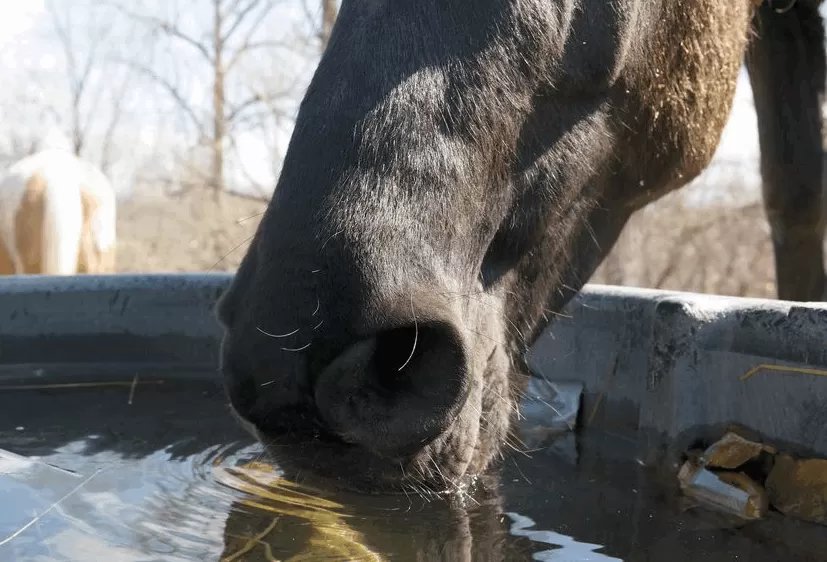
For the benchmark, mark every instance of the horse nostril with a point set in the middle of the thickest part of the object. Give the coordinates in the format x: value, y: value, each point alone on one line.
x: 395, y: 351
x: 397, y: 390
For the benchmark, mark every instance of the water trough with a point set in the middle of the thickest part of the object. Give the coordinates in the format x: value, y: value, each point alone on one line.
x: 665, y: 362
x: 657, y: 368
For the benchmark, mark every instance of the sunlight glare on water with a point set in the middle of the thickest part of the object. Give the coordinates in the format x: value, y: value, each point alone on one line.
x: 173, y: 478
x: 570, y: 549
x: 155, y: 482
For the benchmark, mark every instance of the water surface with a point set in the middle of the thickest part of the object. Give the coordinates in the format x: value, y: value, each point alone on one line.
x: 100, y: 478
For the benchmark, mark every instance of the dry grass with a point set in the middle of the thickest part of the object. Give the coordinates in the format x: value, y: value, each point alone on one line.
x: 185, y: 234
x: 723, y: 250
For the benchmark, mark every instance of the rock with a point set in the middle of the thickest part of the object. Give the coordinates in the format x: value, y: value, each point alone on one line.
x: 798, y: 488
x: 730, y: 492
x: 732, y: 451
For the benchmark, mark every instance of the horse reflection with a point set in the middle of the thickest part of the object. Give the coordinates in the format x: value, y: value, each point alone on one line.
x: 284, y: 522
x: 592, y: 503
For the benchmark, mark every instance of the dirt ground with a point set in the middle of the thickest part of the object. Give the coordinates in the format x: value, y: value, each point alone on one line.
x: 721, y: 250
x: 184, y: 234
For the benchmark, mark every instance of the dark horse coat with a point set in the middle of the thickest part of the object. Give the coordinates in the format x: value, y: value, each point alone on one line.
x: 457, y: 171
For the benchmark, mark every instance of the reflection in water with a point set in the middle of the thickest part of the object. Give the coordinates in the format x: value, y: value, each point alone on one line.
x: 363, y: 528
x: 328, y: 535
x: 172, y: 478
x: 569, y: 549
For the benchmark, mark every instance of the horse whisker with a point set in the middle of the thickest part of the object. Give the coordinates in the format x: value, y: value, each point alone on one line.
x: 416, y: 336
x: 302, y: 348
x: 245, y: 219
x: 268, y: 334
x: 225, y: 256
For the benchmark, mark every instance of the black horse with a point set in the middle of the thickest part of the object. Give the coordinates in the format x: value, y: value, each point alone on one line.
x: 458, y: 170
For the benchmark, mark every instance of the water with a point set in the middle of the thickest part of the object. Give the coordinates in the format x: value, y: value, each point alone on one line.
x: 156, y: 480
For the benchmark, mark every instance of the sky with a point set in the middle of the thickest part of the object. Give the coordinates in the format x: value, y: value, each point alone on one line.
x: 16, y: 17
x: 737, y: 153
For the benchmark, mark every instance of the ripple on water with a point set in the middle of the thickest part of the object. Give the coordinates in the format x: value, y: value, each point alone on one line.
x: 169, y: 478
x: 172, y: 478
x: 220, y: 504
x: 165, y: 507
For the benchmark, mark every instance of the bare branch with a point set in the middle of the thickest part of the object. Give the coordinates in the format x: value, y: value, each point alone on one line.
x: 308, y: 14
x: 249, y: 46
x: 238, y: 109
x: 258, y: 187
x: 254, y: 121
x: 230, y: 32
x: 170, y: 88
x: 114, y: 121
x: 329, y: 13
x: 242, y: 14
x: 167, y: 28
x: 238, y: 120
x: 227, y: 10
x: 63, y: 33
x: 78, y: 76
x: 82, y: 129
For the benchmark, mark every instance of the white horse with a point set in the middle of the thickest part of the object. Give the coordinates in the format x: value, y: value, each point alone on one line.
x: 57, y: 217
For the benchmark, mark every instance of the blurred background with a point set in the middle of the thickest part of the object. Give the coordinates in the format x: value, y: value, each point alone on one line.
x: 188, y: 106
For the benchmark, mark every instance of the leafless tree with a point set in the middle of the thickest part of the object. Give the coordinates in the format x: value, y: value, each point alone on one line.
x: 86, y: 39
x: 233, y: 34
x: 321, y: 20
x: 720, y: 247
x: 330, y: 10
x: 108, y: 142
x: 80, y: 62
x: 18, y: 140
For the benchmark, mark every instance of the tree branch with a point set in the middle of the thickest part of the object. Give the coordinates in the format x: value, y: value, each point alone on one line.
x: 241, y: 15
x: 170, y: 88
x: 248, y: 46
x: 77, y: 77
x: 330, y: 12
x: 168, y: 28
x: 238, y: 109
x: 117, y: 112
x: 255, y: 121
x: 256, y: 185
x: 238, y: 119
